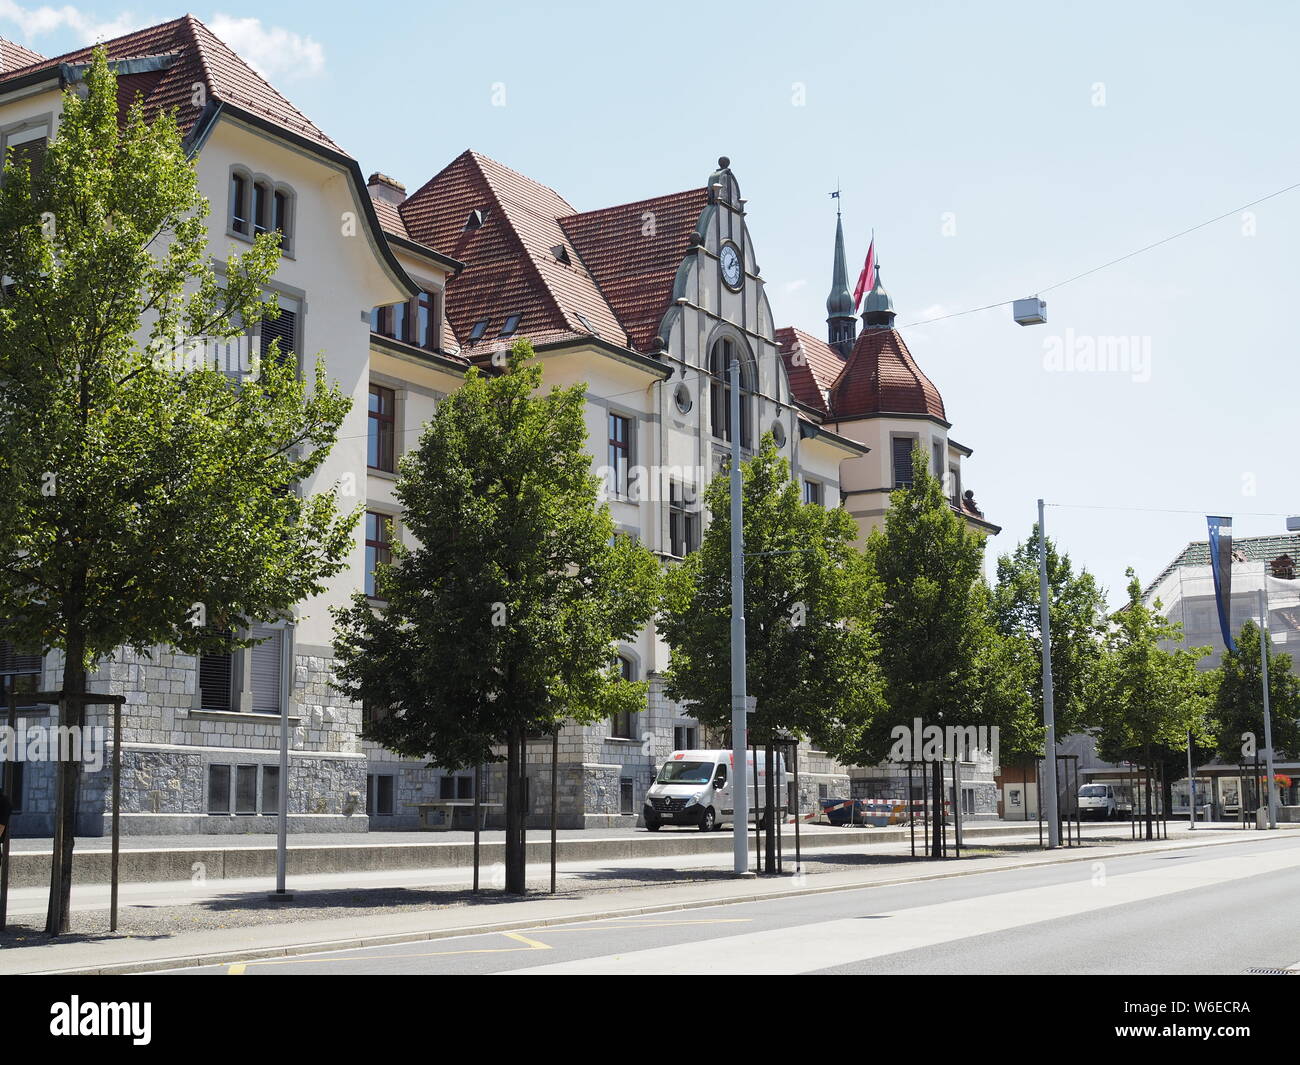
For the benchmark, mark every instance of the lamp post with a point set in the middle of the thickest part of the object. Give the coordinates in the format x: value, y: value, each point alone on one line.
x: 739, y: 700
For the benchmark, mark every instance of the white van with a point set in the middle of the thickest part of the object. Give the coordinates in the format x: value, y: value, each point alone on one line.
x: 1105, y: 802
x: 694, y: 788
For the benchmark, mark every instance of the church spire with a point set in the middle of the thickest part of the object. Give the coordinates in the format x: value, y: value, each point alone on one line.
x: 841, y: 323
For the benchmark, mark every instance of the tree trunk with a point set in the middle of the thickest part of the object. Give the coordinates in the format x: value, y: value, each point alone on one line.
x: 72, y: 712
x: 936, y: 778
x: 769, y: 819
x: 516, y: 873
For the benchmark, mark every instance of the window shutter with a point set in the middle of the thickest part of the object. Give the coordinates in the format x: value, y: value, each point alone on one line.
x: 903, y: 446
x: 214, y: 681
x: 283, y: 329
x: 266, y: 670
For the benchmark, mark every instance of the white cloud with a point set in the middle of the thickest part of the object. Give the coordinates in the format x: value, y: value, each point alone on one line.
x: 87, y: 28
x: 270, y: 50
x: 795, y: 286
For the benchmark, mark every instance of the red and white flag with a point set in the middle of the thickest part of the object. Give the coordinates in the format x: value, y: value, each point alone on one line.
x: 864, y: 279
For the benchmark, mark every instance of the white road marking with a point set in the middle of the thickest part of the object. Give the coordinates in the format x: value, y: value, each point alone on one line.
x: 809, y: 947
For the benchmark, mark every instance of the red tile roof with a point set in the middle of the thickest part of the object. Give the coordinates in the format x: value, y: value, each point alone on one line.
x: 634, y: 251
x: 390, y: 217
x: 509, y: 266
x: 14, y: 56
x: 882, y: 378
x: 816, y: 369
x: 622, y: 260
x: 201, y: 58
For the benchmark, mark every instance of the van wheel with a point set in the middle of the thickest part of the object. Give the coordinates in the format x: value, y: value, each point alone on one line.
x: 707, y: 820
x: 653, y: 826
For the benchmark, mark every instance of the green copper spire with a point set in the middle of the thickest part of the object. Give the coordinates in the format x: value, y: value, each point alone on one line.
x: 841, y: 323
x: 878, y: 306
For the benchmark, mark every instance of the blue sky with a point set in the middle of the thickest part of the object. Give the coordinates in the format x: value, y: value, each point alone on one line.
x: 996, y: 149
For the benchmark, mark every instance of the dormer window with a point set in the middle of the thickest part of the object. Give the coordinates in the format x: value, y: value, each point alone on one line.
x: 586, y: 324
x: 512, y: 323
x: 478, y: 330
x: 561, y: 254
x: 477, y: 217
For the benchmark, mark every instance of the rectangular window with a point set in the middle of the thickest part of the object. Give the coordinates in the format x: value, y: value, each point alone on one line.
x: 685, y: 737
x: 936, y: 451
x: 261, y: 207
x: 812, y: 492
x: 27, y: 148
x: 280, y: 218
x: 379, y: 548
x: 683, y: 523
x: 398, y: 321
x: 382, y: 428
x: 246, y: 789
x: 465, y: 787
x: 620, y: 453
x: 903, y: 447
x: 623, y: 724
x: 627, y: 795
x: 426, y: 321
x: 954, y: 488
x: 216, y: 677
x: 239, y: 217
x: 284, y: 329
x: 265, y: 667
x: 218, y: 789
x: 379, y: 794
x: 271, y: 790
x: 18, y: 672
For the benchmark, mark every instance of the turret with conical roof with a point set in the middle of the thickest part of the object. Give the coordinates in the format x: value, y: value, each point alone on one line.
x: 842, y: 323
x: 878, y: 306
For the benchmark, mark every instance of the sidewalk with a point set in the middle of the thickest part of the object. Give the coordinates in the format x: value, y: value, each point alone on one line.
x: 495, y: 912
x: 150, y: 859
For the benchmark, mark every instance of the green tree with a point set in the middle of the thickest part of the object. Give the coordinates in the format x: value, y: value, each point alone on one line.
x: 1151, y: 697
x: 1078, y: 618
x: 502, y: 622
x: 144, y: 506
x: 1238, y: 706
x: 810, y: 601
x: 940, y: 654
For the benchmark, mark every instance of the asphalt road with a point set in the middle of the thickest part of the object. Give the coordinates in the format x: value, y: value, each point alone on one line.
x: 1217, y: 911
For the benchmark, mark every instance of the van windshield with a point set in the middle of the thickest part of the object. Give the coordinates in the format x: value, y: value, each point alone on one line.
x: 1098, y: 791
x: 686, y: 773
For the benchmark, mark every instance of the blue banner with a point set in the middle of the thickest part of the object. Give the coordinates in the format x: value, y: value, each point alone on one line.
x: 1221, y: 566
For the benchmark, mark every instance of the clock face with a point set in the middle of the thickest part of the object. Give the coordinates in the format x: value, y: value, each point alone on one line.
x: 730, y: 262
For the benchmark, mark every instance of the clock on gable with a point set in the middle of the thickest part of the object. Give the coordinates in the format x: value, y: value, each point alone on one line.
x: 733, y: 275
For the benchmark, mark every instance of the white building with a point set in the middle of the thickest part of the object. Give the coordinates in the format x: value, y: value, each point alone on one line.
x: 645, y: 302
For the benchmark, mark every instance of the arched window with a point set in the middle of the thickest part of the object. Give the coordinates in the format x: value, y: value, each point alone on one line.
x: 720, y: 392
x: 259, y: 205
x: 623, y: 724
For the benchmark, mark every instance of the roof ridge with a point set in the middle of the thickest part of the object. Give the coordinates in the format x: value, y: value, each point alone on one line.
x: 631, y: 203
x: 512, y: 231
x: 203, y: 36
x: 535, y: 258
x: 481, y: 158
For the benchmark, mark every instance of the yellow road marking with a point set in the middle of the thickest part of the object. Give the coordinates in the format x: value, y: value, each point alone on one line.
x: 524, y: 939
x: 239, y: 968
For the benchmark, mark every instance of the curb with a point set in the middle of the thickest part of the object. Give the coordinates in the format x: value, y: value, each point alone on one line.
x: 358, y: 942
